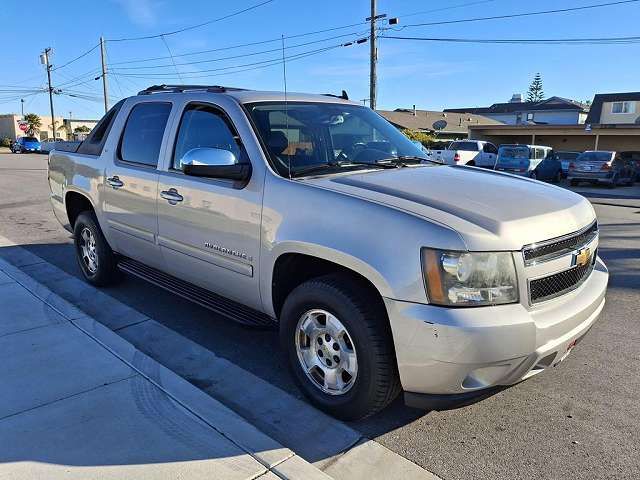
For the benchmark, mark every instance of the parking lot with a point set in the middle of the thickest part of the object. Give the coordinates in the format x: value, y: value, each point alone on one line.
x: 580, y: 419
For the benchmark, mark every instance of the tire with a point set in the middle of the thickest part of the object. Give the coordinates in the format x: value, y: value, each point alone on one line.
x: 366, y: 327
x: 558, y: 178
x: 574, y: 183
x: 533, y: 175
x: 98, y: 263
x: 614, y: 182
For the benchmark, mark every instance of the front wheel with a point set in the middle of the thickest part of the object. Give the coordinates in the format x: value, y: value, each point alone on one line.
x: 533, y: 175
x: 338, y: 343
x: 95, y: 257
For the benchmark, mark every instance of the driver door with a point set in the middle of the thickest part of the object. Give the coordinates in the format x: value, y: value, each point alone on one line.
x: 209, y: 229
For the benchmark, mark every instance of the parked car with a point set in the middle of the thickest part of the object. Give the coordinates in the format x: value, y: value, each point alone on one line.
x: 565, y: 158
x: 26, y: 144
x: 599, y: 166
x: 466, y: 152
x: 315, y: 215
x: 521, y: 159
x: 634, y: 157
x: 549, y: 169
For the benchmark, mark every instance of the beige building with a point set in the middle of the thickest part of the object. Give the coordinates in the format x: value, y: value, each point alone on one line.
x: 65, y: 127
x: 615, y: 109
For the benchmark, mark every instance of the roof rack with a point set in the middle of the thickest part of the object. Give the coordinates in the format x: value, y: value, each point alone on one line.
x: 343, y: 95
x: 183, y: 88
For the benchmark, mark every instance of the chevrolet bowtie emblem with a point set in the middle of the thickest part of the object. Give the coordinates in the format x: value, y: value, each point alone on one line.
x: 582, y: 257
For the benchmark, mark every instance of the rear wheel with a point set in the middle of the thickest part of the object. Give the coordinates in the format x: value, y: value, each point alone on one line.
x: 338, y: 342
x: 95, y: 257
x: 558, y: 177
x: 573, y: 183
x: 533, y: 175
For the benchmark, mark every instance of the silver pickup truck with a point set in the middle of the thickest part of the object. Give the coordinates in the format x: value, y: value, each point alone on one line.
x: 382, y: 271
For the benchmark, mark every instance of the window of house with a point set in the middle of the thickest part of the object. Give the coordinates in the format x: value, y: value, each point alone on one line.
x: 529, y: 117
x: 142, y: 136
x: 623, y: 107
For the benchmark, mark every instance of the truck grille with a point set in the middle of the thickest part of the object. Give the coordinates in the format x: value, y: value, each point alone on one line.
x: 546, y: 288
x: 557, y: 247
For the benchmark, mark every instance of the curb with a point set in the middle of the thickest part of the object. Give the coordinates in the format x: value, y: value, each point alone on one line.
x: 279, y: 460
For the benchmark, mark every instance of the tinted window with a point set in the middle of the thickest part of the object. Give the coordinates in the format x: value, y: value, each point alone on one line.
x: 93, y: 144
x: 203, y: 126
x: 29, y: 139
x: 514, y: 152
x: 142, y: 136
x: 566, y: 155
x: 464, y: 146
x: 490, y: 148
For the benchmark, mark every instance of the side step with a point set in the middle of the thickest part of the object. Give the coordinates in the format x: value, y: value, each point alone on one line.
x: 216, y: 303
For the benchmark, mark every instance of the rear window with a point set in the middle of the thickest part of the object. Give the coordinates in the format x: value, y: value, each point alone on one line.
x: 514, y: 152
x: 566, y: 155
x: 94, y: 143
x: 30, y: 139
x: 594, y: 157
x: 464, y: 146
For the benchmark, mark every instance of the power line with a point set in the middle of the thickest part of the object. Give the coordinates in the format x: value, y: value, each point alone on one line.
x: 147, y: 37
x: 77, y: 58
x: 252, y: 66
x: 517, y: 15
x: 528, y: 41
x: 424, y: 12
x: 242, y: 55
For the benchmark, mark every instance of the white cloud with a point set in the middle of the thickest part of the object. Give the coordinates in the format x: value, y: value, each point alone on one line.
x: 140, y: 12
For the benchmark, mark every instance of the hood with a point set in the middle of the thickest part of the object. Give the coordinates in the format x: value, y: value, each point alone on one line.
x: 490, y: 210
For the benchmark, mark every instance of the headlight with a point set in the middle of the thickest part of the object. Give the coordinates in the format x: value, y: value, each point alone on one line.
x: 469, y: 278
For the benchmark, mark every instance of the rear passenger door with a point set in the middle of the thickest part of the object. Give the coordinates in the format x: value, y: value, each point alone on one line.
x: 131, y: 183
x: 490, y: 154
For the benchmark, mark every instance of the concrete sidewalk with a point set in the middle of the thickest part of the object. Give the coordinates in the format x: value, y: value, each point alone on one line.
x: 76, y: 400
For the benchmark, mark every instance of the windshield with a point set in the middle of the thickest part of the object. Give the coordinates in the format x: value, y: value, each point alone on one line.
x: 29, y: 139
x: 594, y: 157
x: 307, y: 135
x: 514, y: 152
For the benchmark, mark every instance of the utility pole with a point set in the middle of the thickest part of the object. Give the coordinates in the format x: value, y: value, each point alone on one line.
x: 105, y: 88
x: 374, y: 58
x: 44, y: 58
x: 22, y: 107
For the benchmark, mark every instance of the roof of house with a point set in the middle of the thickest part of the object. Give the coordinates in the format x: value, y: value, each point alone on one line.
x: 600, y: 98
x: 426, y: 120
x: 551, y: 103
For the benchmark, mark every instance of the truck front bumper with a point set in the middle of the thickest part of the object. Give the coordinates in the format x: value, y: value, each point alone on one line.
x: 464, y: 352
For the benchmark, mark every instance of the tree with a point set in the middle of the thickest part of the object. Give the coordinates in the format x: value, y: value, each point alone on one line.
x: 81, y: 129
x: 535, y: 92
x: 33, y: 123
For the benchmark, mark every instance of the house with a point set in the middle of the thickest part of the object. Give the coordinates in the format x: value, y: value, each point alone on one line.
x: 613, y: 123
x: 443, y: 125
x: 615, y: 109
x: 552, y: 111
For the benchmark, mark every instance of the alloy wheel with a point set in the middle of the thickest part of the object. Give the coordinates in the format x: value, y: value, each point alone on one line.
x: 326, y: 352
x: 88, y: 251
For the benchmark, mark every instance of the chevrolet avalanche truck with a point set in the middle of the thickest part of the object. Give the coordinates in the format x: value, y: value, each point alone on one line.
x: 383, y: 271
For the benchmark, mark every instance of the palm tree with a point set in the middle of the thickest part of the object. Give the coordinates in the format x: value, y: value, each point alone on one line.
x: 33, y: 123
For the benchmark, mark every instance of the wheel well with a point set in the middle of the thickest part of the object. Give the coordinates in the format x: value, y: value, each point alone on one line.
x: 471, y: 163
x: 76, y: 203
x: 293, y: 269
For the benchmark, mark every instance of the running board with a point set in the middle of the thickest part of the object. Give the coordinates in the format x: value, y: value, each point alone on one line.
x: 216, y: 303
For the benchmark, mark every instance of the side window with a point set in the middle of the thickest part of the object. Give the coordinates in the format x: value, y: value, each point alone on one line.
x: 205, y: 126
x: 94, y: 143
x: 142, y: 136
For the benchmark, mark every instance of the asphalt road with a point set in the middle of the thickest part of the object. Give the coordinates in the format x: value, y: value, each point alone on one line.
x: 579, y: 420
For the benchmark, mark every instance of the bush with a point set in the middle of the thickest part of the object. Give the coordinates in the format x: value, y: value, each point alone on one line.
x: 5, y: 142
x: 424, y: 138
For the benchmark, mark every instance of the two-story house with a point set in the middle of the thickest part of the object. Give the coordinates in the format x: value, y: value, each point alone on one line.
x: 552, y: 111
x: 615, y: 109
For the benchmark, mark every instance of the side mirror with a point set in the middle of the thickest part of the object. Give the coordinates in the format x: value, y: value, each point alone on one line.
x: 214, y: 163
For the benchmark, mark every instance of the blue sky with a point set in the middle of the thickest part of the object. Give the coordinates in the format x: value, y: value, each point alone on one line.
x: 432, y: 76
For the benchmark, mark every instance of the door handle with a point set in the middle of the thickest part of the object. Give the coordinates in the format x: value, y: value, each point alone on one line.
x: 172, y: 196
x: 115, y: 182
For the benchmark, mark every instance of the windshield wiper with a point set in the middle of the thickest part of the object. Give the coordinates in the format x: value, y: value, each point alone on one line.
x: 345, y: 163
x: 401, y: 161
